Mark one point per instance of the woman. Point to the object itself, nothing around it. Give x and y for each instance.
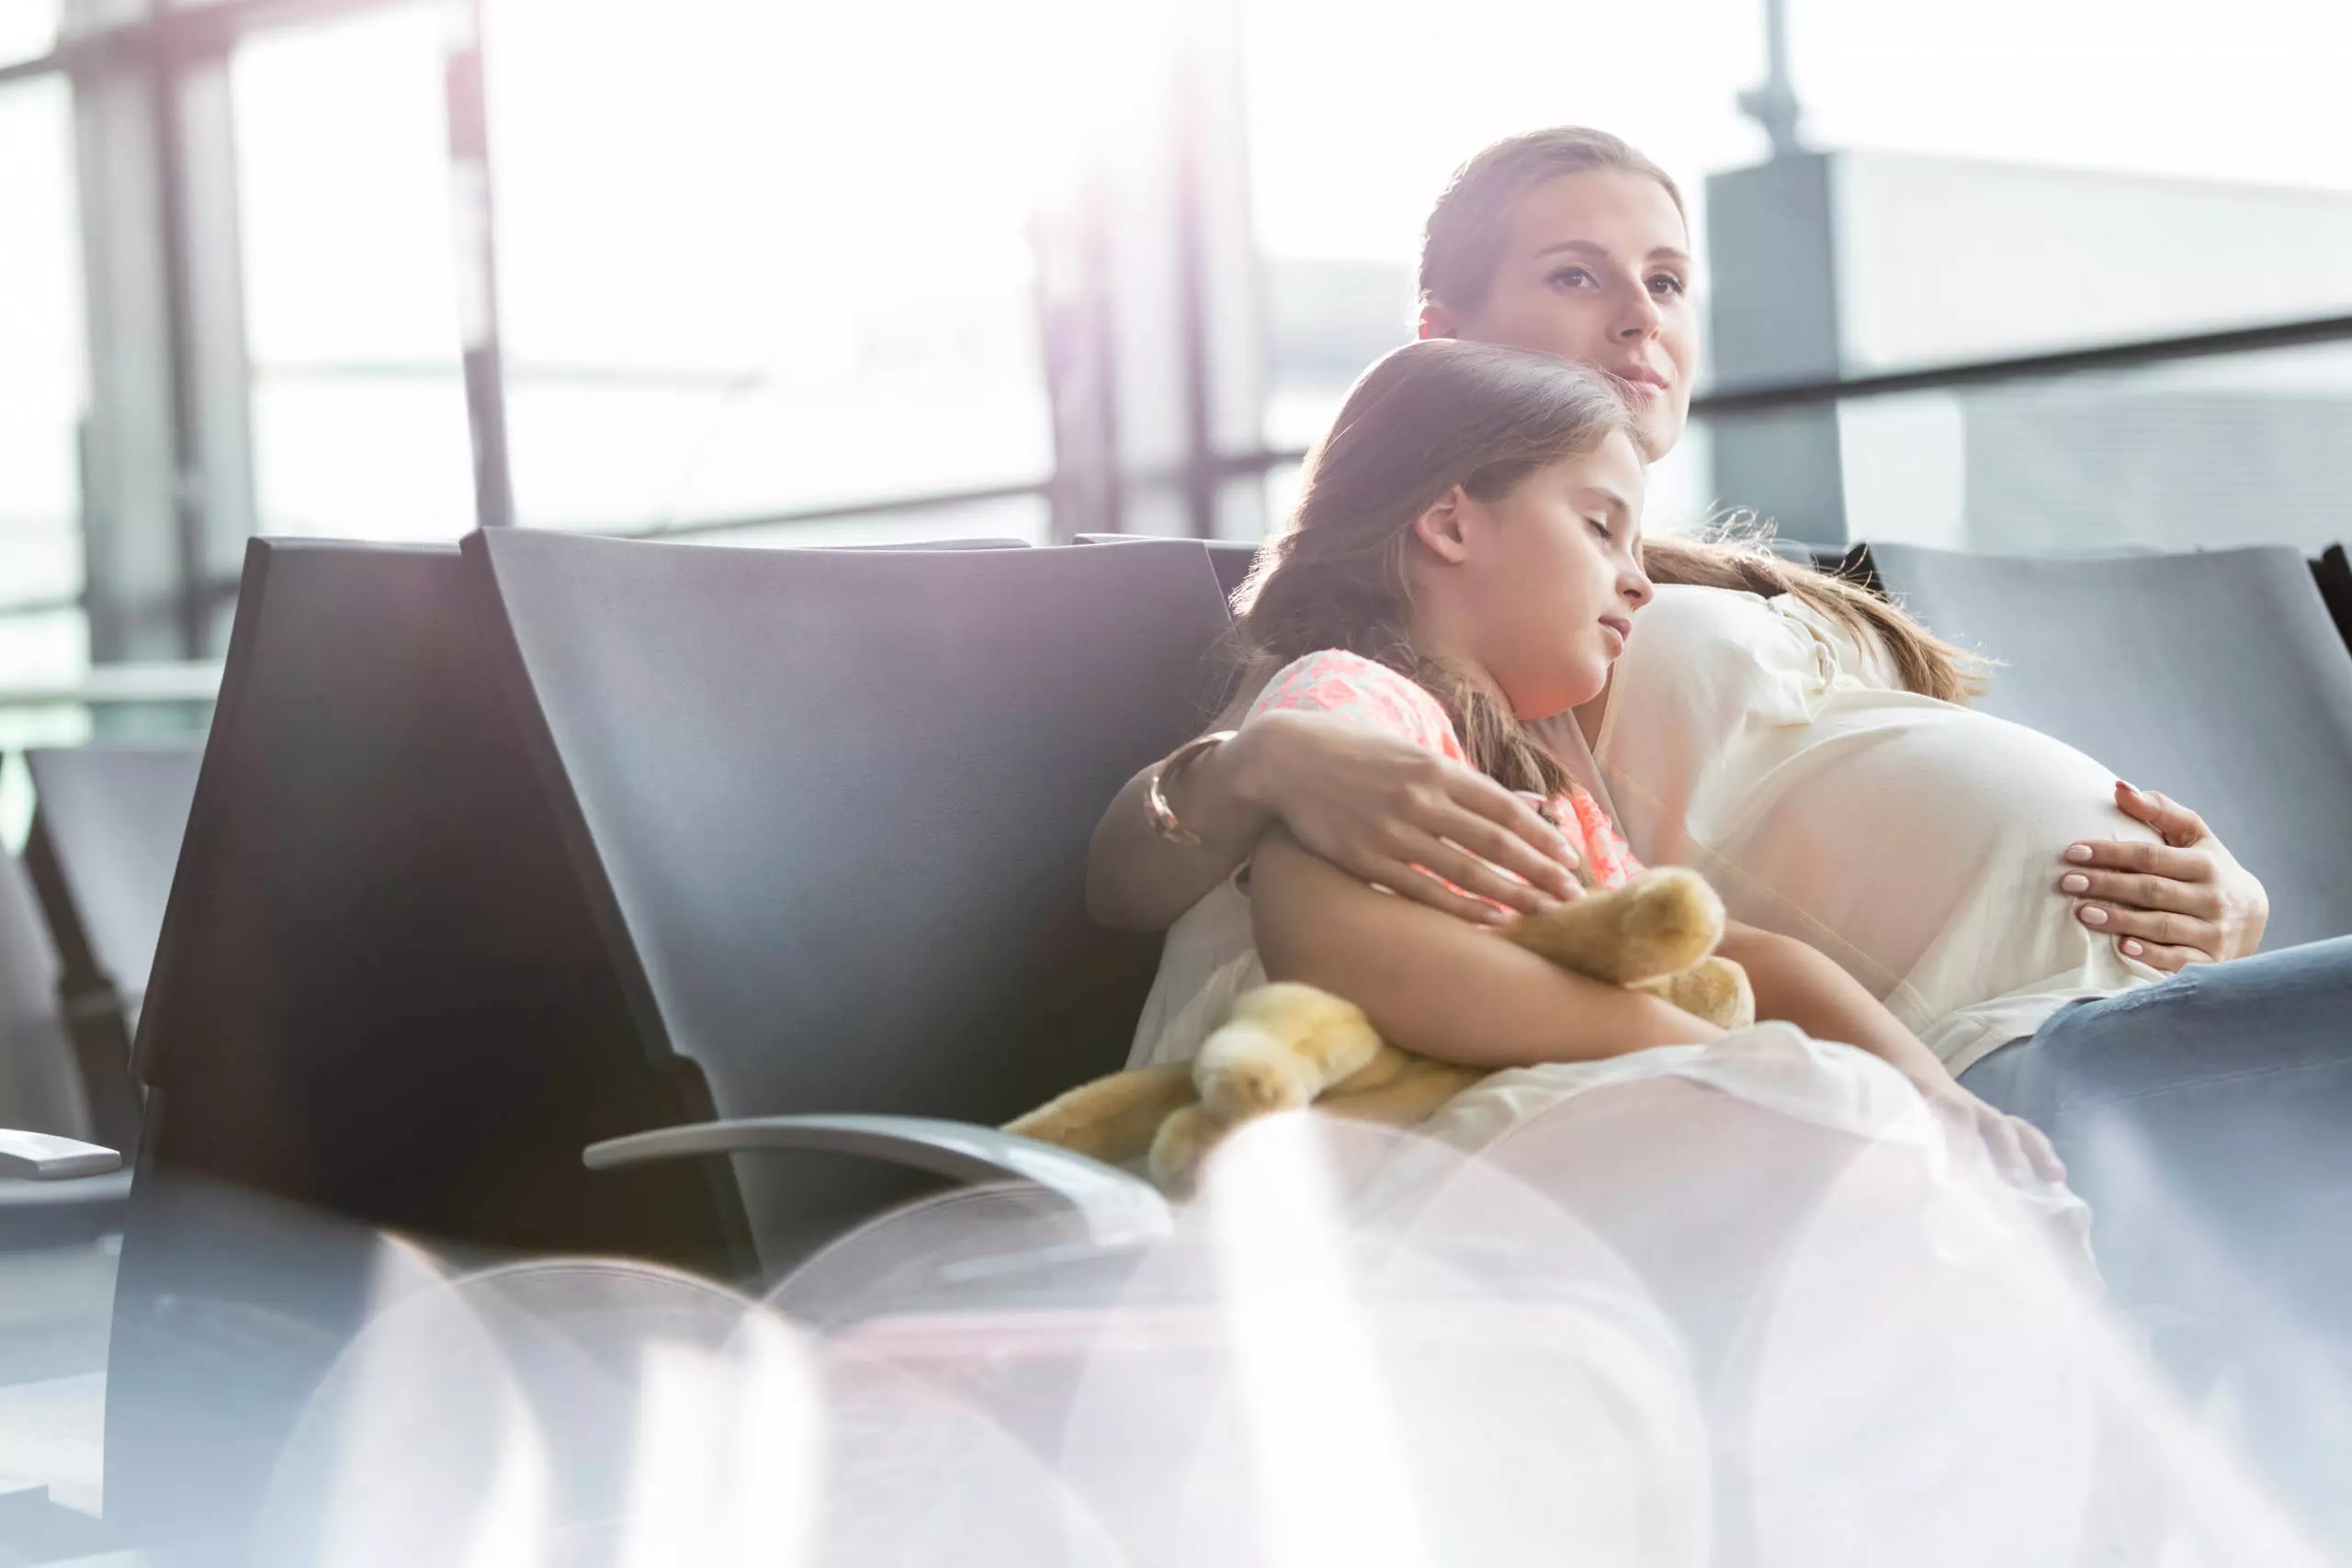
(1570, 243)
(2198, 1113)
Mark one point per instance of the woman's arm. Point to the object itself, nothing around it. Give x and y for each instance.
(1437, 985)
(1376, 805)
(1135, 880)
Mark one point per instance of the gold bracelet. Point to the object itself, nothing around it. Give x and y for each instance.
(1154, 798)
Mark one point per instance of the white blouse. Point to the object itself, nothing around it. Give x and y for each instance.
(1917, 843)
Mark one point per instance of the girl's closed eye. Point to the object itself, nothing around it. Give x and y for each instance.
(1600, 526)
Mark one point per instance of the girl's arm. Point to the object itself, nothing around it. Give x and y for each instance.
(1804, 986)
(1436, 985)
(1378, 805)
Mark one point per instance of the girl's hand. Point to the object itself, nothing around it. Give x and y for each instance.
(1399, 816)
(2020, 1149)
(2184, 901)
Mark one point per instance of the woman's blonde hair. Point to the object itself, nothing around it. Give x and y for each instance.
(1462, 247)
(1738, 556)
(1429, 417)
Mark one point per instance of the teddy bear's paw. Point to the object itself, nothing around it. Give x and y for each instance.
(1245, 1070)
(1670, 919)
(1715, 988)
(1284, 1045)
(1660, 921)
(1184, 1141)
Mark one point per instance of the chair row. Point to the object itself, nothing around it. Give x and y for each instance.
(503, 852)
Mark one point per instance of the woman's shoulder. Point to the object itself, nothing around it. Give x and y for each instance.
(1694, 623)
(1363, 691)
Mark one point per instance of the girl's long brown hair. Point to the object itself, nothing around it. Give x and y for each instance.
(1462, 248)
(1427, 417)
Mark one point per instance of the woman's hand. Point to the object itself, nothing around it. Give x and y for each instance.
(2184, 901)
(1392, 813)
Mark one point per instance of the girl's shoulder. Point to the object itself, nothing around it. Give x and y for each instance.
(1609, 858)
(1363, 691)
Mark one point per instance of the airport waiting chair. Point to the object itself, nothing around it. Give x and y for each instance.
(2215, 677)
(105, 834)
(2332, 569)
(41, 1090)
(391, 1001)
(104, 838)
(379, 1008)
(833, 809)
(1231, 558)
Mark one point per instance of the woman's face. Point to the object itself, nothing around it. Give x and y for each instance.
(1567, 538)
(1597, 268)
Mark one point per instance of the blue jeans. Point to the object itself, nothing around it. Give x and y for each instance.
(2208, 1121)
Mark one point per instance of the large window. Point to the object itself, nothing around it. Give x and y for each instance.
(919, 268)
(27, 30)
(761, 259)
(44, 635)
(2145, 174)
(41, 386)
(351, 295)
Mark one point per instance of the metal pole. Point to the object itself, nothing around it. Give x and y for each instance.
(476, 268)
(1772, 102)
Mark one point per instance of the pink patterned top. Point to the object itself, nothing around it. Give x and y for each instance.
(1353, 687)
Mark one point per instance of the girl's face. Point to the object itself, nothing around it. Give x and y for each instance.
(1538, 588)
(1596, 269)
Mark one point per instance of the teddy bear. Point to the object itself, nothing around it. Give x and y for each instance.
(1285, 1046)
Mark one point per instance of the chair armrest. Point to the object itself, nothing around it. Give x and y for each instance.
(1120, 1209)
(44, 1156)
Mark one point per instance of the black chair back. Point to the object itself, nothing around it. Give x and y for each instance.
(104, 838)
(41, 1087)
(835, 805)
(2215, 677)
(107, 822)
(2333, 571)
(1231, 557)
(380, 1004)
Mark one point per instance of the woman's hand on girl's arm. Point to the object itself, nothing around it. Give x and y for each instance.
(1375, 805)
(2184, 901)
(1436, 985)
(1804, 986)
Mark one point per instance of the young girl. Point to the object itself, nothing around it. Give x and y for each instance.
(1465, 559)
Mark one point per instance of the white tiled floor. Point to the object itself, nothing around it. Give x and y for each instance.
(54, 1306)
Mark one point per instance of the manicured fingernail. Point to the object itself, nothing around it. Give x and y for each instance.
(2131, 947)
(2120, 784)
(2094, 916)
(2075, 882)
(2078, 851)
